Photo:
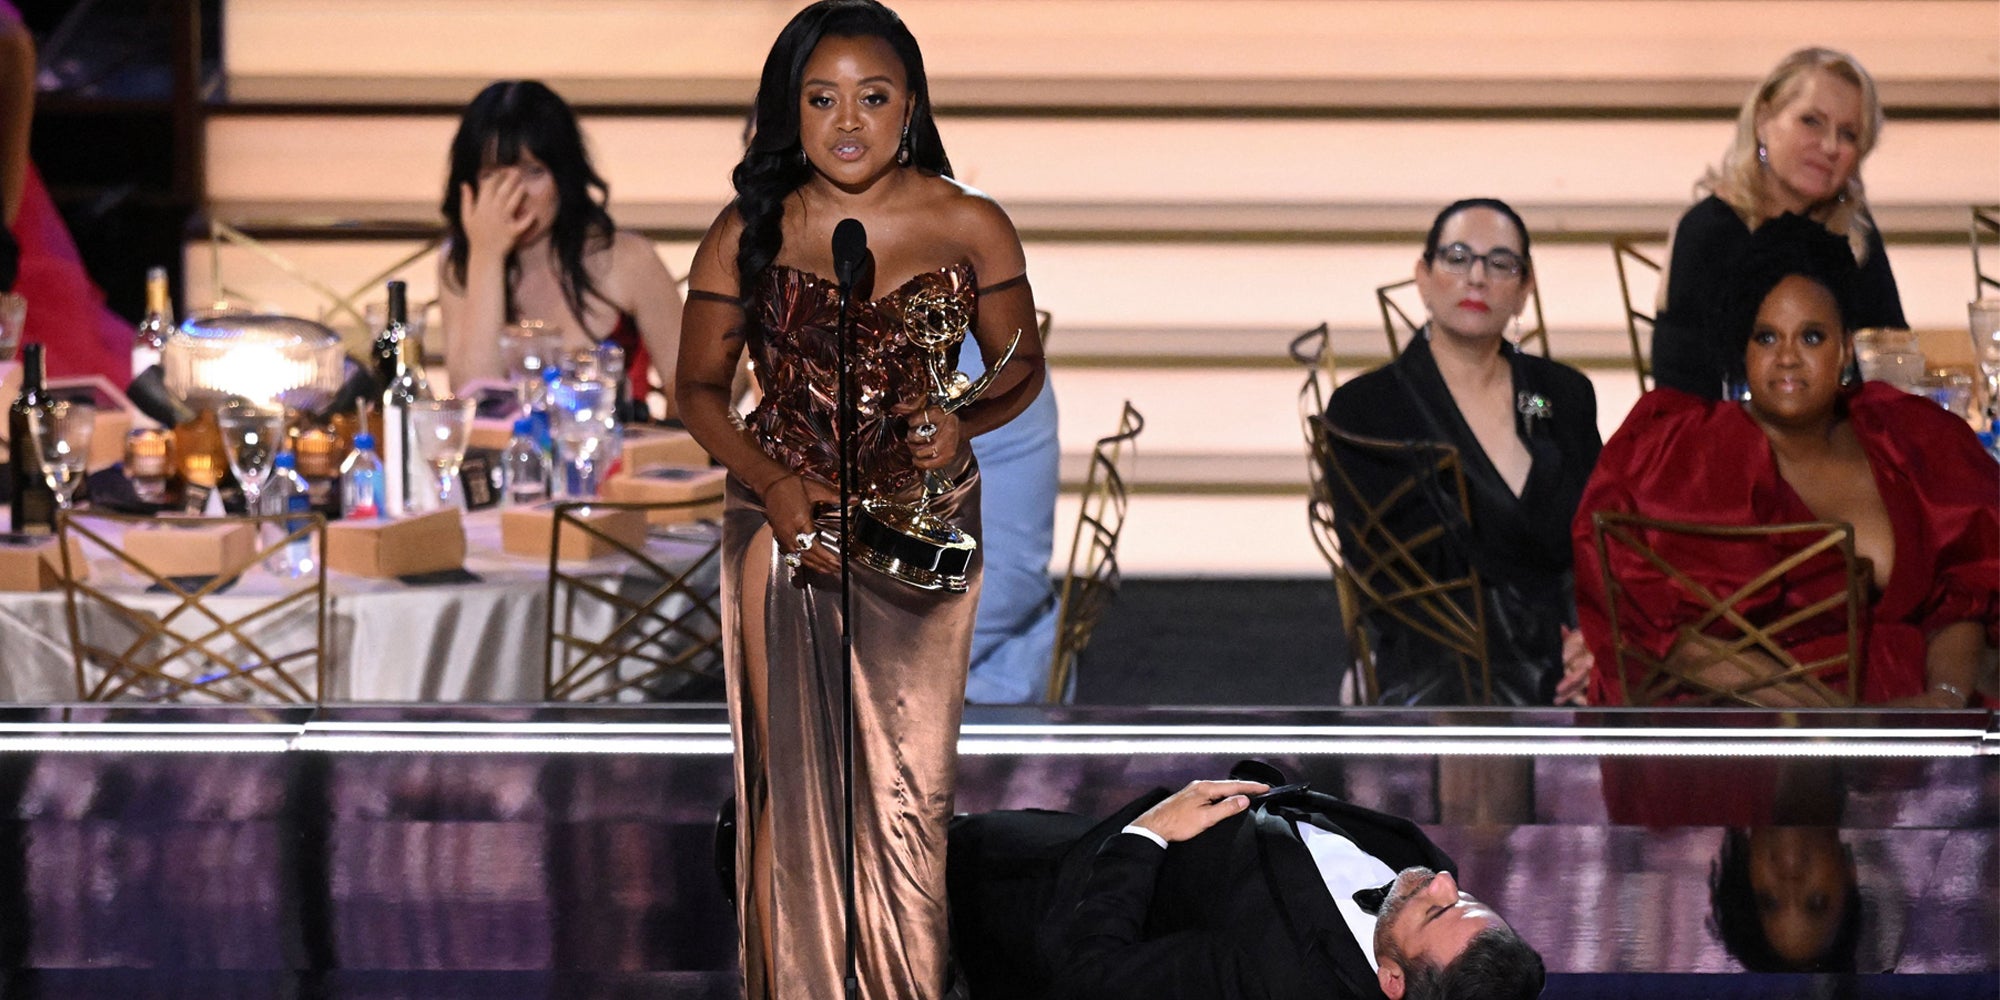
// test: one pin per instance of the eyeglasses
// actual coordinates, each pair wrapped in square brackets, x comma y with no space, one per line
[1502,263]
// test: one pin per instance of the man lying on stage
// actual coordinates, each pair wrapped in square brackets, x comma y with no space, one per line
[1224,889]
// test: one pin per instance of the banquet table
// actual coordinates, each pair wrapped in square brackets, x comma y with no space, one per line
[387,640]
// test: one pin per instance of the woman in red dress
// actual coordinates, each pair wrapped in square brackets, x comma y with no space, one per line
[1922,495]
[66,311]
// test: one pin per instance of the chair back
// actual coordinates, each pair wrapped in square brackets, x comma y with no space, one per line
[645,629]
[1674,550]
[1313,350]
[174,638]
[341,310]
[1985,235]
[1397,509]
[1631,263]
[1091,579]
[1399,306]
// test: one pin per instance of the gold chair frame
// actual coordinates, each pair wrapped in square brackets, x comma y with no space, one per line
[587,669]
[1091,579]
[1660,679]
[1313,351]
[1395,316]
[202,646]
[1623,250]
[1985,228]
[337,304]
[1382,572]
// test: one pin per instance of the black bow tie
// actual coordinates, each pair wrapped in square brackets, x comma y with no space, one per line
[1371,900]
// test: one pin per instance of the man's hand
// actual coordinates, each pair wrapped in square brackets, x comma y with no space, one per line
[1197,807]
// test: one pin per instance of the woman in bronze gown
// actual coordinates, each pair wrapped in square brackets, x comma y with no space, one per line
[844,130]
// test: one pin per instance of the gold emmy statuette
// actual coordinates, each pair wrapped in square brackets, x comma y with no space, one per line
[905,540]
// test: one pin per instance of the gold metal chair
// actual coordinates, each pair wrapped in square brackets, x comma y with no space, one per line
[1985,231]
[1681,678]
[193,650]
[1373,487]
[1313,351]
[1092,576]
[665,621]
[1399,322]
[1629,258]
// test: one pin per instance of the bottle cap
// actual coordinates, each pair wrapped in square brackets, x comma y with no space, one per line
[524,425]
[287,460]
[364,441]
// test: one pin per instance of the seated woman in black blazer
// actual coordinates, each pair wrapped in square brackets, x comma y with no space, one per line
[1526,432]
[1800,141]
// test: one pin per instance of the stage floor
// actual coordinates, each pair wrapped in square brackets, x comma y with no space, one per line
[565,851]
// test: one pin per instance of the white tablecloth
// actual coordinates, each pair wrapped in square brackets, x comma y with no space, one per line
[387,641]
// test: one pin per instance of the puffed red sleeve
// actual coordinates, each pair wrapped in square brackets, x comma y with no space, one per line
[1958,486]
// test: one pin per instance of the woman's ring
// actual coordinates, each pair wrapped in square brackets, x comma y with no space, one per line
[926,430]
[804,540]
[793,559]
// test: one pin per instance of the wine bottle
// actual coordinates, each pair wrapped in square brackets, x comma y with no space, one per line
[158,322]
[399,357]
[33,507]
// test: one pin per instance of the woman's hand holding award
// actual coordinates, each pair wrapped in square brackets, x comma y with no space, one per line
[905,540]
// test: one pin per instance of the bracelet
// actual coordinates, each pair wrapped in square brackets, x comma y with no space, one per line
[765,490]
[1952,689]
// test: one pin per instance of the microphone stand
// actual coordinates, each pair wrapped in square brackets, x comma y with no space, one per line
[844,335]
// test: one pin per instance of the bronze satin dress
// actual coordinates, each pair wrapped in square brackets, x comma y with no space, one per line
[911,648]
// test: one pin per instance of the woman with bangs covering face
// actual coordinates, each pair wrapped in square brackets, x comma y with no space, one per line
[1525,429]
[530,239]
[1800,140]
[844,131]
[1808,444]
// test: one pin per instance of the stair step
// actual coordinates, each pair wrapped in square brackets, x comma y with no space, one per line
[1294,176]
[1111,54]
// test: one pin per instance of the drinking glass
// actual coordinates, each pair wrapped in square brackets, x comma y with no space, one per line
[440,429]
[529,346]
[1890,355]
[61,434]
[13,318]
[584,419]
[252,436]
[1985,321]
[1950,388]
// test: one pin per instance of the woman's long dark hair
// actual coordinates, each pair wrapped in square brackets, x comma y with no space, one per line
[506,118]
[774,164]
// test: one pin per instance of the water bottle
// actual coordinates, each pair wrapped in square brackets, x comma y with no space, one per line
[538,411]
[361,485]
[287,493]
[527,466]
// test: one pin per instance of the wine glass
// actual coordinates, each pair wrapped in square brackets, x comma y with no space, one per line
[61,434]
[584,418]
[252,436]
[440,429]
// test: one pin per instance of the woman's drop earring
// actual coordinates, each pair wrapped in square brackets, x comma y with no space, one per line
[903,148]
[1763,155]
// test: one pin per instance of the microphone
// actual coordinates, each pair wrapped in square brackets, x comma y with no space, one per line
[850,247]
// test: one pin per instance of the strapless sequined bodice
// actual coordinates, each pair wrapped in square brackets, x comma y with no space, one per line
[794,344]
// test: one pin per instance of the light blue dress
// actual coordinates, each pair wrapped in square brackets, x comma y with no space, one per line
[1014,634]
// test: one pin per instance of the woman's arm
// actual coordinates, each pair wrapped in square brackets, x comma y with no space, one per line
[1687,350]
[473,313]
[1006,308]
[1951,667]
[17,111]
[712,339]
[655,302]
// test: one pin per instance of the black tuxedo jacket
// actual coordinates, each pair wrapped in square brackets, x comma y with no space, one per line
[1238,912]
